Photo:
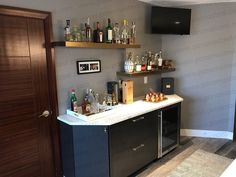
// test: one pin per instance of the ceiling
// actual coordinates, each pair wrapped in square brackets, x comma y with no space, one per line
[183,2]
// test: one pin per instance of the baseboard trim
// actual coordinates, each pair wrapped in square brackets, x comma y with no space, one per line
[207,133]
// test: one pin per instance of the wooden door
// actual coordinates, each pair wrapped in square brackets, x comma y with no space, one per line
[25,138]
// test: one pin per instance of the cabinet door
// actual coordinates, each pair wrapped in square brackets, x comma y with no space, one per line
[91,155]
[133,144]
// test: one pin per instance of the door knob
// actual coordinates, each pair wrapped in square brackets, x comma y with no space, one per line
[45,114]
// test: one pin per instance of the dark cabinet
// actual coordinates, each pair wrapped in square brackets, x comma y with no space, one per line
[84,151]
[133,144]
[121,149]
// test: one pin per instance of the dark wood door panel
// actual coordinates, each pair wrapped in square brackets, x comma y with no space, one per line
[13,35]
[17,64]
[15,111]
[32,170]
[26,144]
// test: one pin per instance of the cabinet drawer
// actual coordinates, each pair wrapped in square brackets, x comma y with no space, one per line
[133,144]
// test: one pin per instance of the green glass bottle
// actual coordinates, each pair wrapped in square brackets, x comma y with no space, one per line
[73,101]
[109,32]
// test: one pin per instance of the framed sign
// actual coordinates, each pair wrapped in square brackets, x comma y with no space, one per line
[88,66]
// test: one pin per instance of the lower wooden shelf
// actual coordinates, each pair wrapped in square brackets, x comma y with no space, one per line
[144,73]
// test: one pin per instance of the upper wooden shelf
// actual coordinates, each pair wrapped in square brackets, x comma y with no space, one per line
[94,45]
[144,73]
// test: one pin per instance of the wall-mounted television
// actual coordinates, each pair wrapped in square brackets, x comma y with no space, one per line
[166,20]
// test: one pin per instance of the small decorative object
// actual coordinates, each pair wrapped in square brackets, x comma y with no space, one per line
[129,64]
[88,66]
[154,96]
[168,64]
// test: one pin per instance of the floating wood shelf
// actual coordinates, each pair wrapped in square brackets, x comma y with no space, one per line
[94,45]
[144,73]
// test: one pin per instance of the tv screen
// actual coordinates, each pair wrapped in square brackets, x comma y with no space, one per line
[165,20]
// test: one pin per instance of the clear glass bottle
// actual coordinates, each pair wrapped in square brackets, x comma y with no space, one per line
[149,57]
[137,64]
[124,32]
[109,32]
[116,34]
[67,31]
[160,60]
[88,31]
[132,34]
[76,34]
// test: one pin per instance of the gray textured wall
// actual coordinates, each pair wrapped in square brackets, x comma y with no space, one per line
[112,59]
[206,67]
[205,60]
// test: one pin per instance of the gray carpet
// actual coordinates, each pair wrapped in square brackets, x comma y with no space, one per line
[201,164]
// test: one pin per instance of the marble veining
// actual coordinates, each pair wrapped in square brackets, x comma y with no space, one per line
[121,113]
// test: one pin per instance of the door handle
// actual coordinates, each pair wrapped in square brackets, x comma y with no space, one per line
[45,114]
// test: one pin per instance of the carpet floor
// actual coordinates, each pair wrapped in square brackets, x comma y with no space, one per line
[201,164]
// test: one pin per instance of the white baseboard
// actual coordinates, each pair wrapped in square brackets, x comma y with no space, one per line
[207,133]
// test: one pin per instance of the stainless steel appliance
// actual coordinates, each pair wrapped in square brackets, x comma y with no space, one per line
[113,90]
[168,129]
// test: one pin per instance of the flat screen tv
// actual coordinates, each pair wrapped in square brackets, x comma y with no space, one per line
[166,20]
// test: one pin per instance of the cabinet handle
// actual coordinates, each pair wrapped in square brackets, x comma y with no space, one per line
[138,119]
[138,147]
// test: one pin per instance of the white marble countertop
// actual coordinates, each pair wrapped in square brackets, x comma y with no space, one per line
[121,112]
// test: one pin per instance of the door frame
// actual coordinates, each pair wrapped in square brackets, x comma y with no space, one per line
[51,72]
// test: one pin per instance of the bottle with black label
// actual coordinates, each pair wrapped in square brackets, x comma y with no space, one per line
[109,32]
[67,31]
[98,35]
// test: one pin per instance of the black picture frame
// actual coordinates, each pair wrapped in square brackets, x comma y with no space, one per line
[88,66]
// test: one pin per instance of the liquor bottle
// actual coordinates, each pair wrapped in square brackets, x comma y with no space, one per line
[109,32]
[88,31]
[67,31]
[116,34]
[133,33]
[149,58]
[160,60]
[86,106]
[98,34]
[73,101]
[124,32]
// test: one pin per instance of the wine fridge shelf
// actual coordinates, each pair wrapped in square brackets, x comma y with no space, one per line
[144,73]
[94,45]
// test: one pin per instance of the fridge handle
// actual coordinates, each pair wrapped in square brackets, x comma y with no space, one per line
[160,134]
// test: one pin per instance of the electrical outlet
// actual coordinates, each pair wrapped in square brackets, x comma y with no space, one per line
[145,80]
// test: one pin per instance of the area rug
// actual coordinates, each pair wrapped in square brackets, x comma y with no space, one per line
[201,164]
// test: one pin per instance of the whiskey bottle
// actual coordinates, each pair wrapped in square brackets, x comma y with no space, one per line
[109,32]
[98,34]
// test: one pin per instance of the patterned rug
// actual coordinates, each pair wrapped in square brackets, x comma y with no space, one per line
[201,164]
